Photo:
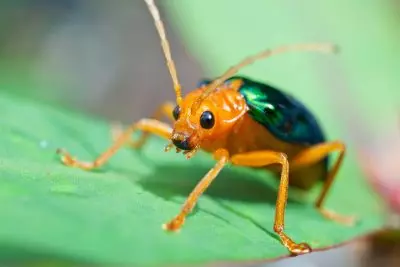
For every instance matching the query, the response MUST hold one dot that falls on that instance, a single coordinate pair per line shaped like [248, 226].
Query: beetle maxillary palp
[168, 147]
[190, 154]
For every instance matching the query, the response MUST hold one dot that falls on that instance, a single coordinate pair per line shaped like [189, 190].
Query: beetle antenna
[165, 46]
[317, 47]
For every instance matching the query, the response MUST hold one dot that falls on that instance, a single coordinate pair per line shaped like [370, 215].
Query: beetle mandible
[241, 122]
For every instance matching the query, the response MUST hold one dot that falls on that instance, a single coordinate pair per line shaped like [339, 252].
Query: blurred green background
[103, 57]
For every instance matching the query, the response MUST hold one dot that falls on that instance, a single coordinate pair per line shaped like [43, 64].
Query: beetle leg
[163, 110]
[264, 158]
[146, 125]
[315, 154]
[222, 157]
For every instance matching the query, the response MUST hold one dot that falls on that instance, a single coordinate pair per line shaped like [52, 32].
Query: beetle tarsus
[175, 224]
[294, 248]
[70, 161]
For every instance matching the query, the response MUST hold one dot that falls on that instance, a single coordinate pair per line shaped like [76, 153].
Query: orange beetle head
[210, 120]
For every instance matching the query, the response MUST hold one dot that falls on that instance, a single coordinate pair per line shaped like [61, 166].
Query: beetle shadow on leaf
[168, 181]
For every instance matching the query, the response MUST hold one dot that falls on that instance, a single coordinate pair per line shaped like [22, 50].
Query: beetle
[242, 122]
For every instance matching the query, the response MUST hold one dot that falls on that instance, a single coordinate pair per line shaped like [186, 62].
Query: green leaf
[114, 215]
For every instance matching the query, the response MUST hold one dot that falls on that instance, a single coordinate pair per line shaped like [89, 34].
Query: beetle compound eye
[207, 120]
[176, 112]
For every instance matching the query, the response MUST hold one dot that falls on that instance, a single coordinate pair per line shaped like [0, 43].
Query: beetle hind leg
[314, 155]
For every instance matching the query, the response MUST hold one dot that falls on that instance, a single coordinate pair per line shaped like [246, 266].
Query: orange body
[237, 132]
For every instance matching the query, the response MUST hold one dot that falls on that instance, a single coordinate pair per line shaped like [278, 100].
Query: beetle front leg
[146, 125]
[315, 154]
[175, 224]
[264, 158]
[163, 110]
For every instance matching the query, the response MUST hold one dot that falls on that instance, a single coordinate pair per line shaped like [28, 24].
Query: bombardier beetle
[241, 122]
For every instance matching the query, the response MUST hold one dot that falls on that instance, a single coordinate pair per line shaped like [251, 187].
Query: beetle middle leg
[264, 158]
[314, 155]
[147, 125]
[164, 110]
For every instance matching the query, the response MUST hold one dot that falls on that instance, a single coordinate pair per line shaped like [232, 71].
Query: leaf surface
[114, 214]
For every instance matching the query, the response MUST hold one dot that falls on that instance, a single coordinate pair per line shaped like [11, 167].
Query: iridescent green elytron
[284, 116]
